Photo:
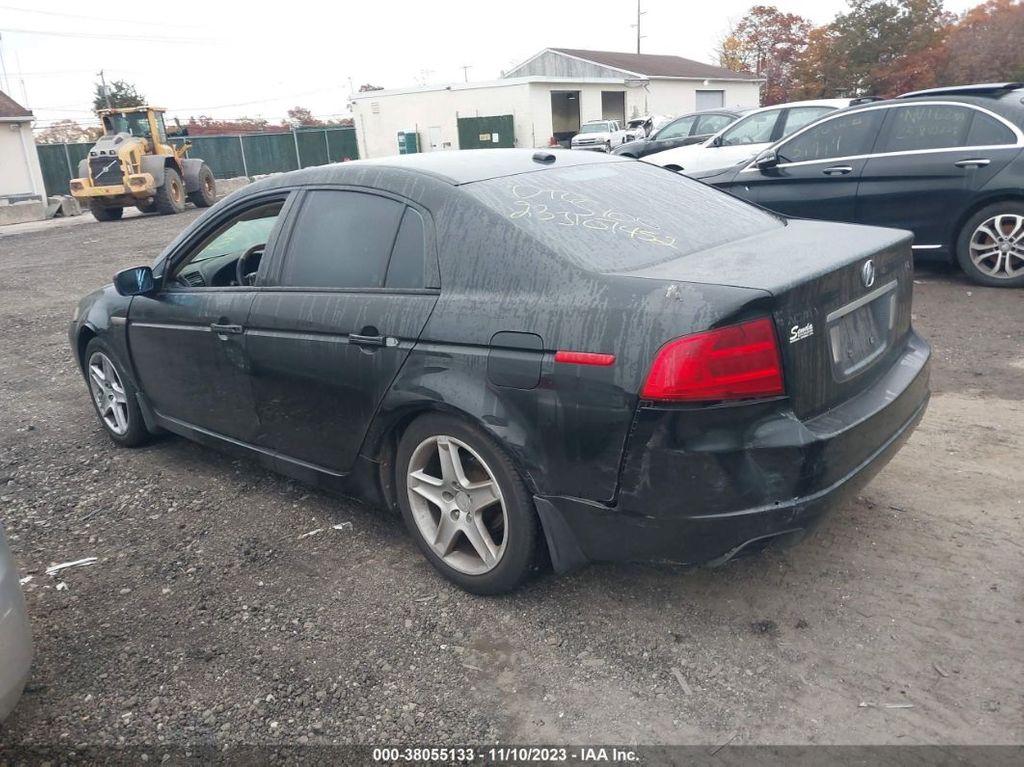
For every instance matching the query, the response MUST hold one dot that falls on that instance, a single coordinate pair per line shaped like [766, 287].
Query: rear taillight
[734, 362]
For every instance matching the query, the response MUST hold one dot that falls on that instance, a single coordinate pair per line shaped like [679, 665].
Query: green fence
[250, 154]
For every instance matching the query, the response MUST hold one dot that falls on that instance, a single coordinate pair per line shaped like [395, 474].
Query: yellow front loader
[132, 164]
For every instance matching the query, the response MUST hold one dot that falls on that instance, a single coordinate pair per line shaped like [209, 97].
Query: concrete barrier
[226, 186]
[21, 212]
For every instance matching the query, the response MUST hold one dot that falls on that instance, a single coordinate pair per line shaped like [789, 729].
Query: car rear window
[621, 215]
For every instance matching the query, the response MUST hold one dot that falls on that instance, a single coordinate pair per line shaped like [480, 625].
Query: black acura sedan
[529, 355]
[946, 163]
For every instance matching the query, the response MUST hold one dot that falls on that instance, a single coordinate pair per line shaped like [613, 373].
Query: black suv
[945, 163]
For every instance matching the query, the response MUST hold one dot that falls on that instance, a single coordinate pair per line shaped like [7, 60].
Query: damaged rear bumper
[703, 486]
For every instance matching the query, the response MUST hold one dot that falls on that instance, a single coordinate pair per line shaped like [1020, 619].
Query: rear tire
[113, 396]
[990, 248]
[103, 213]
[206, 194]
[170, 197]
[479, 530]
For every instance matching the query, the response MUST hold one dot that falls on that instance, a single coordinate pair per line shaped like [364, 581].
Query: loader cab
[142, 122]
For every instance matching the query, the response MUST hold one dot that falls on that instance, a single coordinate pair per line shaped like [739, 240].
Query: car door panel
[925, 171]
[923, 192]
[821, 190]
[189, 370]
[322, 362]
[188, 344]
[323, 354]
[819, 168]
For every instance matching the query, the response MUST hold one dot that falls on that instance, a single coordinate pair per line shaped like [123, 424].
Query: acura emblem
[867, 273]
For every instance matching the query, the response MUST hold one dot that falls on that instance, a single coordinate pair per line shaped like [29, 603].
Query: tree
[120, 94]
[985, 45]
[768, 43]
[817, 72]
[300, 117]
[67, 132]
[204, 125]
[367, 87]
[876, 39]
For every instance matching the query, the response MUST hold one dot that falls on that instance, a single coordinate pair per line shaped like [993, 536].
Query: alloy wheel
[997, 246]
[108, 393]
[457, 505]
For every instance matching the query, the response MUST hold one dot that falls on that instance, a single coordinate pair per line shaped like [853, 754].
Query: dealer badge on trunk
[867, 273]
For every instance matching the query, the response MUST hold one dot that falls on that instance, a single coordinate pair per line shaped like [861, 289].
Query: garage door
[710, 100]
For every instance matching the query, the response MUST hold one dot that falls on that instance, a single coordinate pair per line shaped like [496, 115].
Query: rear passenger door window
[408, 257]
[988, 131]
[341, 239]
[926, 126]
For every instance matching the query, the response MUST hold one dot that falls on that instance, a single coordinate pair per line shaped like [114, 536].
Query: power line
[101, 36]
[98, 18]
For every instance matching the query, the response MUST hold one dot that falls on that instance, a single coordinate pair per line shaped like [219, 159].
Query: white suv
[744, 139]
[603, 135]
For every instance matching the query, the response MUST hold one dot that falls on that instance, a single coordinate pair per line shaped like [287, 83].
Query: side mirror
[717, 141]
[767, 159]
[137, 281]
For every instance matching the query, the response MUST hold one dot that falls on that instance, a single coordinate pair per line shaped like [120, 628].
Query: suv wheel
[990, 247]
[466, 505]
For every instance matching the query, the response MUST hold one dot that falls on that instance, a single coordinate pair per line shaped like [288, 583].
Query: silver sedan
[15, 634]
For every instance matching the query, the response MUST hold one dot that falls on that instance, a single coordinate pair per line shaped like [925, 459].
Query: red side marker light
[735, 362]
[585, 358]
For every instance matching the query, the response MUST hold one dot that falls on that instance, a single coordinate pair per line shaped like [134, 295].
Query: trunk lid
[840, 321]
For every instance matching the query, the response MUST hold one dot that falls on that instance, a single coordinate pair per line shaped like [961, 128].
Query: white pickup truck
[602, 135]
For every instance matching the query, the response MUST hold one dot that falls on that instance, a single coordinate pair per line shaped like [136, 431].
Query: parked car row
[946, 163]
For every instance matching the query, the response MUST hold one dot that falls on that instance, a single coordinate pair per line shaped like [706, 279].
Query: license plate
[860, 332]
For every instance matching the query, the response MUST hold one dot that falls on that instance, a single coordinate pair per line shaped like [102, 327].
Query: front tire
[990, 248]
[206, 194]
[466, 505]
[114, 396]
[103, 213]
[170, 197]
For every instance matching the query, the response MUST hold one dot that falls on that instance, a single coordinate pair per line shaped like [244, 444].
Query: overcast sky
[232, 59]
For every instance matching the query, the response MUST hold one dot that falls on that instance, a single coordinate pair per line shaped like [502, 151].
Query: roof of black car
[469, 165]
[1007, 102]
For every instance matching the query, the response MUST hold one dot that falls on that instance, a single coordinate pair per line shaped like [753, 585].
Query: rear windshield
[621, 215]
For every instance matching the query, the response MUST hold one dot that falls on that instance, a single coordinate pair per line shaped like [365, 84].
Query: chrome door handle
[978, 162]
[358, 340]
[226, 330]
[838, 170]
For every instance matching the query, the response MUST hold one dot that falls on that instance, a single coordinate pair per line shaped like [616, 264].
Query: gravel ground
[210, 619]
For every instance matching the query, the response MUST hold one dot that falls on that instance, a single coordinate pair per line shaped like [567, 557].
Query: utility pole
[106, 92]
[465, 71]
[639, 36]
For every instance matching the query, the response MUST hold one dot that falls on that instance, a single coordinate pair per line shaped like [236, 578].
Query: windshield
[595, 128]
[132, 124]
[753, 129]
[621, 216]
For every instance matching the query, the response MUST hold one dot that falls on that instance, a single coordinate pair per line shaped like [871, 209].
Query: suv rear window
[621, 215]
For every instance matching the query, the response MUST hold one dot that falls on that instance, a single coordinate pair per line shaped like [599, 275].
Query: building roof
[11, 110]
[652, 65]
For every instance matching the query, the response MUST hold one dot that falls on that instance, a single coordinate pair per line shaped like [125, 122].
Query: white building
[547, 96]
[20, 175]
